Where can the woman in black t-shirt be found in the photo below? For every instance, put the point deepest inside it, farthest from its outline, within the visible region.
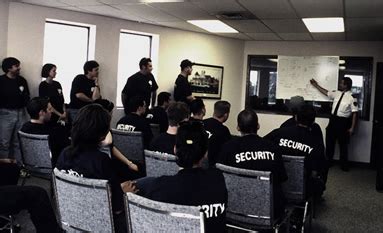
(53, 90)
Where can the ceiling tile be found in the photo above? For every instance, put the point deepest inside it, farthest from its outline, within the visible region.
(328, 36)
(295, 36)
(111, 11)
(364, 24)
(270, 9)
(218, 6)
(147, 12)
(81, 2)
(240, 36)
(315, 8)
(182, 10)
(263, 36)
(286, 25)
(121, 1)
(248, 25)
(48, 3)
(365, 36)
(364, 8)
(182, 25)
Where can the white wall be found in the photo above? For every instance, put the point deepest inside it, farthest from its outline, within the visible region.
(4, 8)
(360, 146)
(26, 40)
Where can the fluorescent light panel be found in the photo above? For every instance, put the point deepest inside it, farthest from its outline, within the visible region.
(324, 24)
(214, 26)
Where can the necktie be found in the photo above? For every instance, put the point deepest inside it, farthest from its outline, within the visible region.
(337, 105)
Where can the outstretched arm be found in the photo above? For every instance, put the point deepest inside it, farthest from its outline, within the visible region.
(317, 86)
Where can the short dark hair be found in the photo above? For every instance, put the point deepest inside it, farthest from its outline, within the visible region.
(177, 112)
(8, 63)
(306, 115)
(36, 105)
(144, 62)
(134, 103)
(90, 65)
(186, 63)
(191, 144)
(196, 106)
(221, 108)
(248, 121)
(348, 82)
(163, 97)
(46, 69)
(108, 105)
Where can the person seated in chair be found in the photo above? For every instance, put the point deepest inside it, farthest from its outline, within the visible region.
(177, 112)
(197, 109)
(157, 115)
(250, 151)
(84, 157)
(192, 185)
(300, 140)
(134, 120)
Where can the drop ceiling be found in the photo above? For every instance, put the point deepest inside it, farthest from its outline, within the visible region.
(274, 20)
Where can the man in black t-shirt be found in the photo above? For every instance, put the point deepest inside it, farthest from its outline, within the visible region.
(141, 83)
(218, 133)
(135, 121)
(85, 88)
(255, 153)
(299, 140)
(177, 112)
(157, 115)
(182, 88)
(14, 96)
(197, 109)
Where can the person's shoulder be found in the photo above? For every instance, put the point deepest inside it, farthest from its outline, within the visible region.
(56, 83)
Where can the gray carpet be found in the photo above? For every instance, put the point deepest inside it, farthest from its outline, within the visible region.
(351, 204)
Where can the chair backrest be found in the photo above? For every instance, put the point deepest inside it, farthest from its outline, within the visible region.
(35, 153)
(83, 204)
(155, 129)
(295, 187)
(159, 164)
(145, 215)
(131, 144)
(250, 196)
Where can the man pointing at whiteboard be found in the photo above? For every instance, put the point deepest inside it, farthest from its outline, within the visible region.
(342, 121)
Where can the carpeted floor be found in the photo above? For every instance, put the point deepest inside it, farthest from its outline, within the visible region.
(351, 204)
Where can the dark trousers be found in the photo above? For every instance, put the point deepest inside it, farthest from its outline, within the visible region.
(34, 199)
(337, 131)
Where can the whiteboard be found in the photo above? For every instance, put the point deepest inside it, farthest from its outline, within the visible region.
(294, 74)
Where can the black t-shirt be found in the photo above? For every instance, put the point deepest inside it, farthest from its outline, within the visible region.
(96, 165)
(255, 153)
(315, 128)
(81, 84)
(182, 89)
(218, 135)
(163, 143)
(14, 92)
(157, 115)
(54, 92)
(300, 141)
(195, 187)
(133, 122)
(140, 85)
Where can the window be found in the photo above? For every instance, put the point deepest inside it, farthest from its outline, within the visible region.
(68, 46)
(133, 47)
(261, 89)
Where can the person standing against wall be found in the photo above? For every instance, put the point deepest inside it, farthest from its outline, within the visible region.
(342, 121)
(182, 88)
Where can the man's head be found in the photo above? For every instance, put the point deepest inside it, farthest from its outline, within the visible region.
(146, 66)
(163, 99)
(306, 115)
(186, 67)
(296, 102)
(108, 105)
(345, 84)
(91, 69)
(11, 65)
(137, 105)
(197, 108)
(177, 112)
(222, 110)
(247, 121)
(40, 109)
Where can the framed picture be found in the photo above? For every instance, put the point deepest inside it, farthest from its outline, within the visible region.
(206, 81)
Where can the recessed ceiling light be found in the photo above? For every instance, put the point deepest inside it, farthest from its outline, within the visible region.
(324, 24)
(342, 67)
(215, 26)
(341, 62)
